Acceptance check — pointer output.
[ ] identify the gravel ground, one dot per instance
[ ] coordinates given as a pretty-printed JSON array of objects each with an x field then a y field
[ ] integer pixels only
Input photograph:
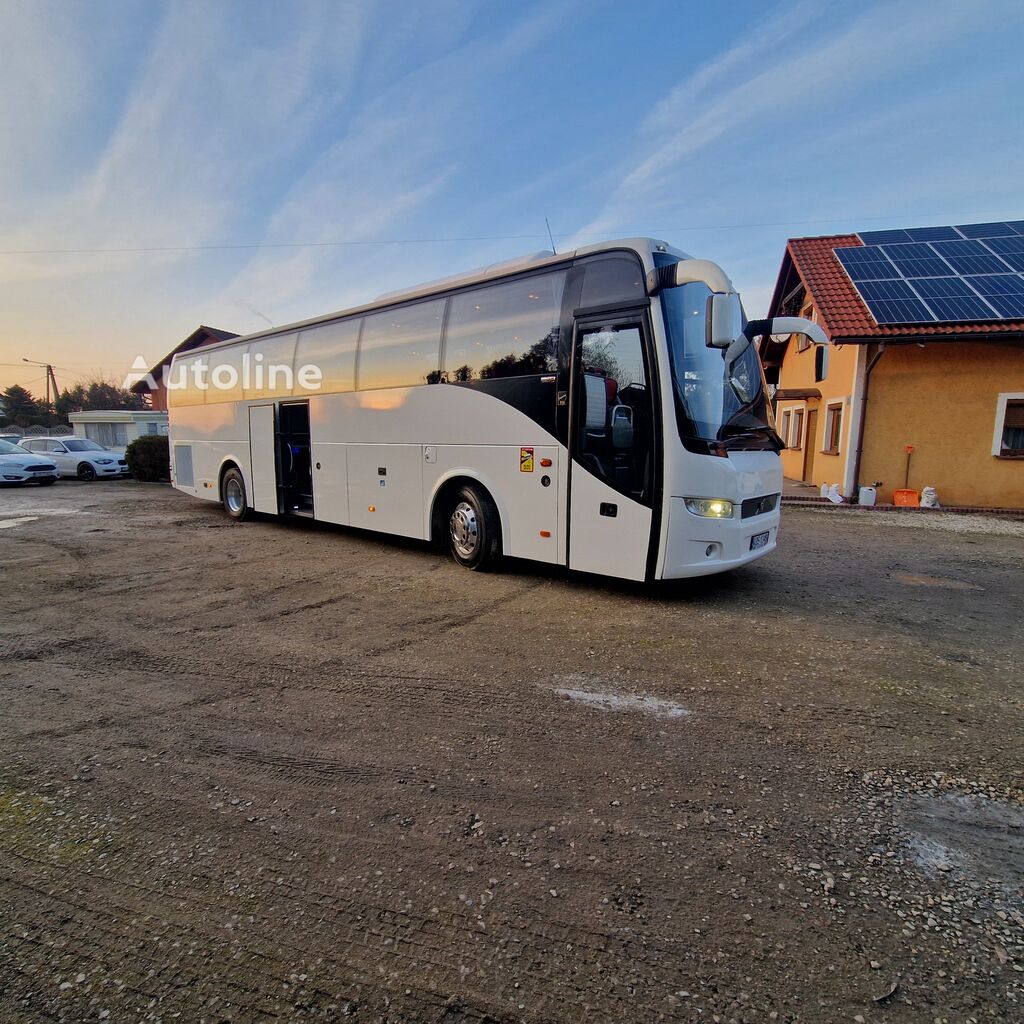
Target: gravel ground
[{"x": 274, "y": 771}]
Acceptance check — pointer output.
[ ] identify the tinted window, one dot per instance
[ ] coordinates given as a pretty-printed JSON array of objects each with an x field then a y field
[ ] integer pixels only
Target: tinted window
[
  {"x": 400, "y": 347},
  {"x": 504, "y": 330},
  {"x": 615, "y": 422},
  {"x": 332, "y": 349},
  {"x": 182, "y": 387},
  {"x": 226, "y": 374},
  {"x": 270, "y": 369},
  {"x": 613, "y": 279}
]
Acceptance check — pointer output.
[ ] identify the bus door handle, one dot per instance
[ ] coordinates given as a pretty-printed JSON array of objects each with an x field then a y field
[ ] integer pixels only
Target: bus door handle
[{"x": 610, "y": 509}]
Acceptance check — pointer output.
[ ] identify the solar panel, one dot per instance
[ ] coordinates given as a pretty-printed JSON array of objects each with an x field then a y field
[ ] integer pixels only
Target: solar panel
[
  {"x": 1015, "y": 259},
  {"x": 943, "y": 273},
  {"x": 951, "y": 298},
  {"x": 899, "y": 311},
  {"x": 993, "y": 230},
  {"x": 917, "y": 260},
  {"x": 866, "y": 263},
  {"x": 881, "y": 237},
  {"x": 1015, "y": 243},
  {"x": 961, "y": 247},
  {"x": 977, "y": 264},
  {"x": 886, "y": 290},
  {"x": 1003, "y": 291},
  {"x": 932, "y": 234}
]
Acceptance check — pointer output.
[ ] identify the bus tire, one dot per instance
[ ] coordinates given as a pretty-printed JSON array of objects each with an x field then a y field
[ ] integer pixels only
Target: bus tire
[
  {"x": 233, "y": 497},
  {"x": 474, "y": 529}
]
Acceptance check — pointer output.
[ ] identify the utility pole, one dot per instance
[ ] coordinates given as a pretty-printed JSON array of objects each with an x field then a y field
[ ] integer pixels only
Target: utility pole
[{"x": 50, "y": 379}]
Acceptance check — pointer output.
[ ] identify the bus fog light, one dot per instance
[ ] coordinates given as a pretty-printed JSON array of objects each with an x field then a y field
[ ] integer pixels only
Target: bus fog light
[
  {"x": 709, "y": 508},
  {"x": 711, "y": 551}
]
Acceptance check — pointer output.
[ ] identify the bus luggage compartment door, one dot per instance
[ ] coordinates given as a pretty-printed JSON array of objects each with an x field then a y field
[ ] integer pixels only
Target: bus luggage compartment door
[{"x": 262, "y": 458}]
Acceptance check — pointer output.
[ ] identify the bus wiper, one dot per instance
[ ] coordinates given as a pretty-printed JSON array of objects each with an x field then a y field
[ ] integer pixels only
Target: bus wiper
[{"x": 762, "y": 434}]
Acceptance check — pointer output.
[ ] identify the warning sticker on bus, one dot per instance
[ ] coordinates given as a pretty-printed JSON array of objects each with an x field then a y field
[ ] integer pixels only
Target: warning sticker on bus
[{"x": 525, "y": 460}]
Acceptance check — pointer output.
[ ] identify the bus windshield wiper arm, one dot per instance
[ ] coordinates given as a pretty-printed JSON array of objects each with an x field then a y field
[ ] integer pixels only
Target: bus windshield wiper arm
[{"x": 762, "y": 434}]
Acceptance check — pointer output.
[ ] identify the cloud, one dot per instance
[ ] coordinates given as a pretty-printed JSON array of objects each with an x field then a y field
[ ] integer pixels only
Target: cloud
[
  {"x": 804, "y": 67},
  {"x": 205, "y": 120},
  {"x": 399, "y": 152}
]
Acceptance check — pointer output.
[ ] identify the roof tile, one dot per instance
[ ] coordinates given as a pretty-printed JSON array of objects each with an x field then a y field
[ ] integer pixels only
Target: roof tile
[{"x": 842, "y": 310}]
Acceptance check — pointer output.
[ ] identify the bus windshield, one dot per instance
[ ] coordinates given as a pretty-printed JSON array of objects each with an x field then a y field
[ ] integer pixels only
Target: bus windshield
[{"x": 715, "y": 402}]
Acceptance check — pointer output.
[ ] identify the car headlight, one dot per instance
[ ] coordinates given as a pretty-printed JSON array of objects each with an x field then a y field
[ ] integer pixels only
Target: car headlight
[
  {"x": 104, "y": 462},
  {"x": 709, "y": 508}
]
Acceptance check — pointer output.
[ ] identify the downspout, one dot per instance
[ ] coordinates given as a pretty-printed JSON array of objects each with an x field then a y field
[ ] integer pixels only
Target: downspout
[{"x": 862, "y": 426}]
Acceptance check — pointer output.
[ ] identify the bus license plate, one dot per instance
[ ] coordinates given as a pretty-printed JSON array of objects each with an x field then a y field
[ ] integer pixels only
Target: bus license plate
[{"x": 759, "y": 540}]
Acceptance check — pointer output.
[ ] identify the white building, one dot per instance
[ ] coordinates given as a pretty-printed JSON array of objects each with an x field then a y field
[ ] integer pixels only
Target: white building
[{"x": 117, "y": 428}]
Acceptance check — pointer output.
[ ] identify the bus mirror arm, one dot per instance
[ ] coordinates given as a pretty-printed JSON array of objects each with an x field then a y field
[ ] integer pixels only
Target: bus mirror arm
[
  {"x": 787, "y": 325},
  {"x": 689, "y": 272}
]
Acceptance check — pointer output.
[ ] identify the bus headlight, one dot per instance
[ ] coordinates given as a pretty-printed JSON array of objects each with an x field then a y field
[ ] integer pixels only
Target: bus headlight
[{"x": 709, "y": 508}]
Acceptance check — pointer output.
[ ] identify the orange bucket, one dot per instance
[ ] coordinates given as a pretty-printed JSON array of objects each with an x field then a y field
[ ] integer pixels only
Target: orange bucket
[{"x": 905, "y": 497}]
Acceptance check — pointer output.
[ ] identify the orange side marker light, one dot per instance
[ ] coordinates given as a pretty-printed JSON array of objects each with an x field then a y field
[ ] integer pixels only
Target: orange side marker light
[
  {"x": 545, "y": 533},
  {"x": 545, "y": 463}
]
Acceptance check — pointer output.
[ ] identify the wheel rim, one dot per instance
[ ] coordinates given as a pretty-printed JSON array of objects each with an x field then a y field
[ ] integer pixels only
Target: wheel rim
[
  {"x": 234, "y": 496},
  {"x": 465, "y": 530},
  {"x": 87, "y": 472}
]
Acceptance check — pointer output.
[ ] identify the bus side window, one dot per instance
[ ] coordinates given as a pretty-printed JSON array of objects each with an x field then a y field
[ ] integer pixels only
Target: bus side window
[
  {"x": 331, "y": 348},
  {"x": 616, "y": 278},
  {"x": 504, "y": 330},
  {"x": 400, "y": 347}
]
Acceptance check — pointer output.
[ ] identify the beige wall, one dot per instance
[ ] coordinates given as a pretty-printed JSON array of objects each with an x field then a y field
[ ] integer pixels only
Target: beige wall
[
  {"x": 836, "y": 389},
  {"x": 942, "y": 400}
]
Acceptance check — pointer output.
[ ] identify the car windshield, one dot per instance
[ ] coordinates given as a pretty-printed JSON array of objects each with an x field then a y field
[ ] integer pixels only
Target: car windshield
[
  {"x": 6, "y": 448},
  {"x": 77, "y": 445},
  {"x": 716, "y": 401}
]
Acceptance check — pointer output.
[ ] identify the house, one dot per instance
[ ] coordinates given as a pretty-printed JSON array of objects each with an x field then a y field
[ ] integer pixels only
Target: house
[
  {"x": 117, "y": 428},
  {"x": 923, "y": 382},
  {"x": 152, "y": 383}
]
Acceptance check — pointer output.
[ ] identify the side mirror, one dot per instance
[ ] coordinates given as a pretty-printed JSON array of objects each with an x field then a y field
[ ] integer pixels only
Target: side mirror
[{"x": 724, "y": 319}]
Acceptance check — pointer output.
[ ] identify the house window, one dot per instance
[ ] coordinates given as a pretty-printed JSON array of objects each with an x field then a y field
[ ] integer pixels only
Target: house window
[
  {"x": 797, "y": 437},
  {"x": 784, "y": 432},
  {"x": 1011, "y": 440},
  {"x": 833, "y": 429}
]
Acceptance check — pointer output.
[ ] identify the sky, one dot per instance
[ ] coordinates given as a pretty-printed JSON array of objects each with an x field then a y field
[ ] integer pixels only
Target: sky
[{"x": 240, "y": 164}]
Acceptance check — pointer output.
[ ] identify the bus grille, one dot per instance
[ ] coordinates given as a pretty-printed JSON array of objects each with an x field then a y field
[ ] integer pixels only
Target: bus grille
[{"x": 758, "y": 506}]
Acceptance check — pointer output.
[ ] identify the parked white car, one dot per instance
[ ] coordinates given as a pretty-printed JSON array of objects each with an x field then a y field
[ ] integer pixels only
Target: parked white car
[
  {"x": 18, "y": 466},
  {"x": 78, "y": 456}
]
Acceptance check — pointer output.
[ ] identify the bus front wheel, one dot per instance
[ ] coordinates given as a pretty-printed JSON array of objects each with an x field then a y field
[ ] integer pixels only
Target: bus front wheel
[
  {"x": 474, "y": 531},
  {"x": 233, "y": 494}
]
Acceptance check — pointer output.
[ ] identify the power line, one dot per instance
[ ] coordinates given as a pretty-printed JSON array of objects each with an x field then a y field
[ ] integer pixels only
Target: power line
[{"x": 465, "y": 238}]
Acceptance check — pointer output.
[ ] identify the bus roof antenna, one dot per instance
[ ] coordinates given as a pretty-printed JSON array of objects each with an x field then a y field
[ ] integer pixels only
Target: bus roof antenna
[{"x": 551, "y": 238}]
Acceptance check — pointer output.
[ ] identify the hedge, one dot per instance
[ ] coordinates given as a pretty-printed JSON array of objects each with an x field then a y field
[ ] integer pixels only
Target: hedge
[{"x": 149, "y": 457}]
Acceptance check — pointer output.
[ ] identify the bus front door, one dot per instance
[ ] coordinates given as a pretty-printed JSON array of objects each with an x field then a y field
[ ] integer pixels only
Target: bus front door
[
  {"x": 612, "y": 449},
  {"x": 263, "y": 458}
]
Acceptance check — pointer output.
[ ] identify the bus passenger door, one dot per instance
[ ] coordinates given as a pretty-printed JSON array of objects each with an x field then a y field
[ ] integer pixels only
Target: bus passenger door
[
  {"x": 262, "y": 458},
  {"x": 612, "y": 448}
]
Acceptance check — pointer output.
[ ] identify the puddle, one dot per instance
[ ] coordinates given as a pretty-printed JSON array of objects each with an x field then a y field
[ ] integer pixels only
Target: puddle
[
  {"x": 9, "y": 524},
  {"x": 979, "y": 837},
  {"x": 606, "y": 700},
  {"x": 914, "y": 580}
]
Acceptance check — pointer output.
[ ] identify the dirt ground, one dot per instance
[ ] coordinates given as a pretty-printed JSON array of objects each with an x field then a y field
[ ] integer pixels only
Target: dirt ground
[{"x": 269, "y": 771}]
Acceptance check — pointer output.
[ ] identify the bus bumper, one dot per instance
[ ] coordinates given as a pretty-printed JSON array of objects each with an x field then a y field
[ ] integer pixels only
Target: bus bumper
[{"x": 699, "y": 547}]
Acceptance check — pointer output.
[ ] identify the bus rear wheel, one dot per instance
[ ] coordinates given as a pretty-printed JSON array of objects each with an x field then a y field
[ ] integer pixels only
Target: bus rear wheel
[
  {"x": 232, "y": 490},
  {"x": 474, "y": 530}
]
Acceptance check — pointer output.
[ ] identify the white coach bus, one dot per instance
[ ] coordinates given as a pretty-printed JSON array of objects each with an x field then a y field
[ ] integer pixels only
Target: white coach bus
[{"x": 602, "y": 410}]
